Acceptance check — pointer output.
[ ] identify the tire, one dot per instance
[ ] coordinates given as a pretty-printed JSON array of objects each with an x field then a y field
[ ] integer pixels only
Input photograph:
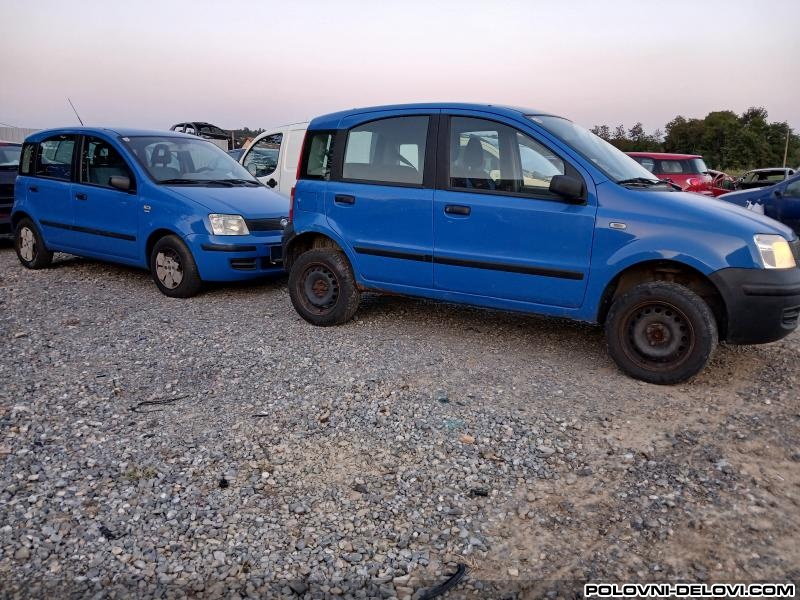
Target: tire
[
  {"x": 174, "y": 269},
  {"x": 30, "y": 246},
  {"x": 661, "y": 332},
  {"x": 322, "y": 287}
]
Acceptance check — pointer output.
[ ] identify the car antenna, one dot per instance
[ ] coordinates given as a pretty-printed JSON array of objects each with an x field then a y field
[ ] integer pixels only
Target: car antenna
[{"x": 75, "y": 111}]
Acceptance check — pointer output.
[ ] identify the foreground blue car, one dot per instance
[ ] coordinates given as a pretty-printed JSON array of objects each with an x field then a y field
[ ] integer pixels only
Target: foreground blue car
[
  {"x": 168, "y": 202},
  {"x": 780, "y": 201},
  {"x": 520, "y": 210}
]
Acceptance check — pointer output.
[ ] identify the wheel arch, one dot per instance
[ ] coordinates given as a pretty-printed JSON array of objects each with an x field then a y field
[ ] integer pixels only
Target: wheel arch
[
  {"x": 665, "y": 270},
  {"x": 309, "y": 241},
  {"x": 154, "y": 236},
  {"x": 17, "y": 216}
]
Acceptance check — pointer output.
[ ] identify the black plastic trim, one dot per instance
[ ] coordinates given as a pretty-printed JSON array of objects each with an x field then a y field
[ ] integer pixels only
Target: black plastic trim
[
  {"x": 228, "y": 248},
  {"x": 394, "y": 254},
  {"x": 101, "y": 232}
]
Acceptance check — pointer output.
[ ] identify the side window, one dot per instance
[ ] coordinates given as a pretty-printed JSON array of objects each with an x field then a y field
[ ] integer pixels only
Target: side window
[
  {"x": 317, "y": 155},
  {"x": 100, "y": 161},
  {"x": 647, "y": 163},
  {"x": 793, "y": 189},
  {"x": 190, "y": 129},
  {"x": 178, "y": 128},
  {"x": 262, "y": 158},
  {"x": 485, "y": 155},
  {"x": 26, "y": 160},
  {"x": 387, "y": 151},
  {"x": 671, "y": 166},
  {"x": 54, "y": 157}
]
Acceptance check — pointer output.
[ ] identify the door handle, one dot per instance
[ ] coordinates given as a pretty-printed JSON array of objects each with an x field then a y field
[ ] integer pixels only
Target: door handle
[
  {"x": 33, "y": 188},
  {"x": 344, "y": 199},
  {"x": 80, "y": 196},
  {"x": 457, "y": 209}
]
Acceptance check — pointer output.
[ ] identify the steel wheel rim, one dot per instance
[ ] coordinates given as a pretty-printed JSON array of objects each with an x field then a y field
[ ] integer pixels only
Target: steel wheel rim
[
  {"x": 169, "y": 269},
  {"x": 319, "y": 288},
  {"x": 658, "y": 336},
  {"x": 27, "y": 244}
]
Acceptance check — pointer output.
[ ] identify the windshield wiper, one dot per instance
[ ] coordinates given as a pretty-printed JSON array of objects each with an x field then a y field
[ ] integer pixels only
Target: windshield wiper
[
  {"x": 642, "y": 181},
  {"x": 179, "y": 181}
]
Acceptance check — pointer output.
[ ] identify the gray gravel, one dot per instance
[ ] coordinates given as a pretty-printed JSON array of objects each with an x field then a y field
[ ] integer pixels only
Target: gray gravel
[{"x": 222, "y": 447}]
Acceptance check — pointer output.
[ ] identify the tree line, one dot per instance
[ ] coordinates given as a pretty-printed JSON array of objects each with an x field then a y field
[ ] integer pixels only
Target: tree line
[{"x": 726, "y": 140}]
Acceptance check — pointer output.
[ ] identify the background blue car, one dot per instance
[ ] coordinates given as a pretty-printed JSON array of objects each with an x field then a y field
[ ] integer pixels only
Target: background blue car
[
  {"x": 780, "y": 201},
  {"x": 169, "y": 202}
]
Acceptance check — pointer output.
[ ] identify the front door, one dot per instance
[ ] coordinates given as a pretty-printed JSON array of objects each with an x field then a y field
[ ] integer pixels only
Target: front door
[
  {"x": 106, "y": 219},
  {"x": 498, "y": 231},
  {"x": 262, "y": 159},
  {"x": 380, "y": 201}
]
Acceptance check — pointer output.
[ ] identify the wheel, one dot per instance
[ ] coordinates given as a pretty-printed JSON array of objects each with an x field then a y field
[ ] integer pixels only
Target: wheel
[
  {"x": 174, "y": 269},
  {"x": 29, "y": 244},
  {"x": 322, "y": 287},
  {"x": 661, "y": 332}
]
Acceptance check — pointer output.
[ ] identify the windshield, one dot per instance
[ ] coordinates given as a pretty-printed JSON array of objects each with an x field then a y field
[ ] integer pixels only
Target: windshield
[
  {"x": 178, "y": 160},
  {"x": 9, "y": 155},
  {"x": 611, "y": 161}
]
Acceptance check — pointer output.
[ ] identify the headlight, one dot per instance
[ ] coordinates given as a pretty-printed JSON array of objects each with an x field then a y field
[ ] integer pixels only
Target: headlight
[
  {"x": 228, "y": 225},
  {"x": 775, "y": 251}
]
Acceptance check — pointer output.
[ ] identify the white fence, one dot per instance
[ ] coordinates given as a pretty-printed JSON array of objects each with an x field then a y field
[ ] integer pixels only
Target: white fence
[{"x": 15, "y": 134}]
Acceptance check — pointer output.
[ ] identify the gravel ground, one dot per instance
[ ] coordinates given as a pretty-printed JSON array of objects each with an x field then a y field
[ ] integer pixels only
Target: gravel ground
[{"x": 222, "y": 447}]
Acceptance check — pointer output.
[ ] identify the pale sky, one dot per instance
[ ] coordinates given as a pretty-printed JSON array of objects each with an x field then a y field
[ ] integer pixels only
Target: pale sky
[{"x": 237, "y": 63}]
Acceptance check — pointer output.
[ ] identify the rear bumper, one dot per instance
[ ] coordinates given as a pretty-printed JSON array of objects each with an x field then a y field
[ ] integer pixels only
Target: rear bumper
[
  {"x": 763, "y": 305},
  {"x": 5, "y": 215},
  {"x": 236, "y": 258}
]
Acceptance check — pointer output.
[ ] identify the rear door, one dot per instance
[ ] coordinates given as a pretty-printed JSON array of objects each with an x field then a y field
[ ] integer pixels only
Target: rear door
[
  {"x": 380, "y": 198},
  {"x": 106, "y": 219},
  {"x": 48, "y": 191},
  {"x": 498, "y": 231}
]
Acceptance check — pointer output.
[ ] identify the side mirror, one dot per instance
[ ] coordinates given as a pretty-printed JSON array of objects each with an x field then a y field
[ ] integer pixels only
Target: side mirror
[
  {"x": 777, "y": 194},
  {"x": 120, "y": 182},
  {"x": 252, "y": 169},
  {"x": 568, "y": 187},
  {"x": 272, "y": 183}
]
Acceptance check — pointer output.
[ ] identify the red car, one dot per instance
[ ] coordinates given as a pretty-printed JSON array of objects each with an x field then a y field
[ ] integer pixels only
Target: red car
[{"x": 685, "y": 170}]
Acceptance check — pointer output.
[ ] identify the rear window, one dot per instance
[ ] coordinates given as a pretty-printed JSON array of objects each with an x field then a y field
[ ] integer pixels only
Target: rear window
[{"x": 317, "y": 155}]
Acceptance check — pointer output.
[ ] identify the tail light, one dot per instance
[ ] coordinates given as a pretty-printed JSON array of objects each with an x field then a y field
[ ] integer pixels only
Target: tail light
[{"x": 297, "y": 175}]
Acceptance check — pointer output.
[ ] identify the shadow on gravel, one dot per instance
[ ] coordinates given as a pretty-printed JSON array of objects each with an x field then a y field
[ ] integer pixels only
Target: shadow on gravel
[{"x": 6, "y": 243}]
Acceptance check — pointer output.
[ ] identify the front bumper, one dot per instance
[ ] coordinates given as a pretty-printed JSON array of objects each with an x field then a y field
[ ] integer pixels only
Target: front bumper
[
  {"x": 236, "y": 258},
  {"x": 762, "y": 305}
]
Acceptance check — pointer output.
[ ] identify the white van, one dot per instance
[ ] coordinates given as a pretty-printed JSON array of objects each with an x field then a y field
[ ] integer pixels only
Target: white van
[{"x": 273, "y": 155}]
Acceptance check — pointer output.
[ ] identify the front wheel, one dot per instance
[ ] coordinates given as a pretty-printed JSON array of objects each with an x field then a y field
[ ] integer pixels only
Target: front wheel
[
  {"x": 173, "y": 268},
  {"x": 661, "y": 332},
  {"x": 29, "y": 244},
  {"x": 322, "y": 287}
]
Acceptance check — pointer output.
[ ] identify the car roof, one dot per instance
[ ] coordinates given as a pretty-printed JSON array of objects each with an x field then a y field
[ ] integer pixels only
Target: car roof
[
  {"x": 332, "y": 119},
  {"x": 664, "y": 155},
  {"x": 112, "y": 131},
  {"x": 767, "y": 169}
]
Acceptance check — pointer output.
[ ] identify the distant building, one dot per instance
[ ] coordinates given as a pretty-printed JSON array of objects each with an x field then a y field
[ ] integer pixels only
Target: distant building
[{"x": 15, "y": 134}]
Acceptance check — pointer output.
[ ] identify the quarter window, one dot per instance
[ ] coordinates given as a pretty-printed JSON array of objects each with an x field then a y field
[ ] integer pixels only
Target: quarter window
[
  {"x": 100, "y": 162},
  {"x": 317, "y": 155},
  {"x": 262, "y": 158},
  {"x": 54, "y": 157},
  {"x": 490, "y": 156},
  {"x": 26, "y": 160},
  {"x": 647, "y": 163},
  {"x": 387, "y": 151}
]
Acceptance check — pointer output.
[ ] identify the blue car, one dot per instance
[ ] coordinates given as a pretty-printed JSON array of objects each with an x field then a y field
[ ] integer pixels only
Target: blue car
[
  {"x": 168, "y": 202},
  {"x": 525, "y": 211},
  {"x": 780, "y": 201}
]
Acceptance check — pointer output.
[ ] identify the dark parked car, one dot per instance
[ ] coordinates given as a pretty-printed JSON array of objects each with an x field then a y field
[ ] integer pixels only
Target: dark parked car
[
  {"x": 780, "y": 201},
  {"x": 204, "y": 130},
  {"x": 9, "y": 161},
  {"x": 758, "y": 178}
]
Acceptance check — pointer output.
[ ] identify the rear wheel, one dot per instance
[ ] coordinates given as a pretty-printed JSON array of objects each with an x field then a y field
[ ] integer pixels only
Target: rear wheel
[
  {"x": 323, "y": 288},
  {"x": 173, "y": 268},
  {"x": 661, "y": 332},
  {"x": 29, "y": 244}
]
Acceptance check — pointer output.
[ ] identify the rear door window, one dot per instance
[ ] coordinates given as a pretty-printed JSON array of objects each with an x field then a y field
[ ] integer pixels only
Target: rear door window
[
  {"x": 54, "y": 157},
  {"x": 387, "y": 151}
]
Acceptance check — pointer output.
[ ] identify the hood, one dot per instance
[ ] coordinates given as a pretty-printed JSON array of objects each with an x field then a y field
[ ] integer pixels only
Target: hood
[
  {"x": 741, "y": 197},
  {"x": 710, "y": 210},
  {"x": 250, "y": 202}
]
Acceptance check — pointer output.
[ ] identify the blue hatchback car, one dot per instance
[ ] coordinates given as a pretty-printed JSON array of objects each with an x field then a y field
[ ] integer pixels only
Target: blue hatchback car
[
  {"x": 516, "y": 209},
  {"x": 780, "y": 201},
  {"x": 169, "y": 202}
]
